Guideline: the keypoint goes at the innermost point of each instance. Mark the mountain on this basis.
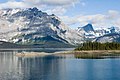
(112, 37)
(4, 44)
(100, 35)
(32, 26)
(87, 28)
(87, 31)
(111, 34)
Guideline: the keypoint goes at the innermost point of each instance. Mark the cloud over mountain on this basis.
(51, 2)
(36, 3)
(111, 18)
(70, 11)
(49, 6)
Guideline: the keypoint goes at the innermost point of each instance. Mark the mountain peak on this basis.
(32, 26)
(89, 24)
(88, 28)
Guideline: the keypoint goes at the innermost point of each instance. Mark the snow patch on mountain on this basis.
(112, 37)
(26, 25)
(89, 33)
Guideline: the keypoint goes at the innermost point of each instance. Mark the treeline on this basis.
(99, 46)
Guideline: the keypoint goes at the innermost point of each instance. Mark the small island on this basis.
(96, 50)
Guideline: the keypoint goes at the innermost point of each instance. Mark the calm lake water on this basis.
(56, 68)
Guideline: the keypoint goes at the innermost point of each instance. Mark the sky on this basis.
(75, 13)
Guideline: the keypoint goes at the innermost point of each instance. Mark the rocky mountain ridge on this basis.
(32, 26)
(100, 35)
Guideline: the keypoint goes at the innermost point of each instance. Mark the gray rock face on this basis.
(87, 31)
(34, 26)
(87, 28)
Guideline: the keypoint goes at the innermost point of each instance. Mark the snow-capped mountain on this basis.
(112, 37)
(111, 34)
(87, 28)
(87, 31)
(32, 26)
(100, 35)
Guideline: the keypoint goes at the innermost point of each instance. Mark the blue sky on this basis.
(95, 6)
(75, 13)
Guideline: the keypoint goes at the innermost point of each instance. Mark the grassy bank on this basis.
(97, 54)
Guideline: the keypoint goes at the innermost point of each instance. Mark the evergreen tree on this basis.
(99, 46)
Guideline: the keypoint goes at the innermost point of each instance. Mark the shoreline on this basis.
(41, 54)
(97, 54)
(98, 51)
(31, 54)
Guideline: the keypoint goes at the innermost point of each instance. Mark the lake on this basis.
(56, 67)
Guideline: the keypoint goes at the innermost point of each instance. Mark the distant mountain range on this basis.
(112, 37)
(34, 27)
(102, 35)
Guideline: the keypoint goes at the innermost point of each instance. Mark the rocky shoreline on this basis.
(91, 52)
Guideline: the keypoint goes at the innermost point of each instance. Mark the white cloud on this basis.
(58, 7)
(53, 2)
(70, 20)
(112, 18)
(12, 4)
(32, 1)
(38, 3)
(112, 14)
(57, 10)
(21, 4)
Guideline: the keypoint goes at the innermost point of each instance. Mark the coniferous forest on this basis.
(99, 46)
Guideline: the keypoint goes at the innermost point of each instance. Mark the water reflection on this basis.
(41, 68)
(56, 68)
(37, 68)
